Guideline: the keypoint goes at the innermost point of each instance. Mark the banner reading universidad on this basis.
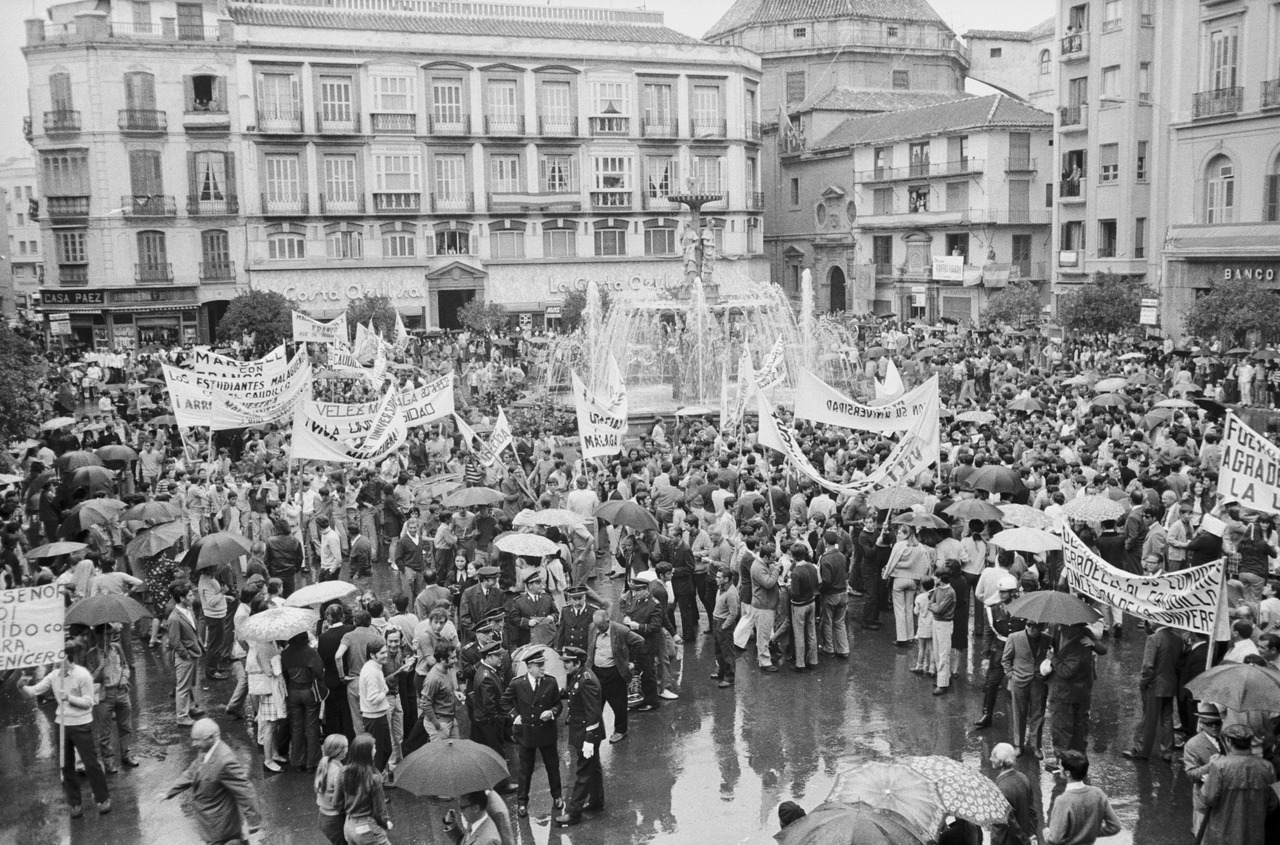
(1250, 471)
(818, 401)
(1189, 599)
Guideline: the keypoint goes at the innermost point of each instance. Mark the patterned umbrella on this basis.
(974, 509)
(1093, 509)
(551, 517)
(894, 787)
(278, 623)
(979, 417)
(321, 593)
(896, 498)
(966, 793)
(471, 497)
(531, 545)
(1031, 540)
(1025, 516)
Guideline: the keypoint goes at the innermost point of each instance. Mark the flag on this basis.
(772, 372)
(602, 423)
(402, 336)
(500, 438)
(892, 387)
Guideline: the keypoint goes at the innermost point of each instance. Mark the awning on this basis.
(1243, 239)
(995, 276)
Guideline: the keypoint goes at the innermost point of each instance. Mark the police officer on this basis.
(999, 626)
(584, 721)
(575, 620)
(484, 700)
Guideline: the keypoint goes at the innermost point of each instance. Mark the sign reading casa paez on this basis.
(1250, 472)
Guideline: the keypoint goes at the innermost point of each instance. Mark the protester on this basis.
(221, 794)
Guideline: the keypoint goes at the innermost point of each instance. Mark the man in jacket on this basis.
(221, 794)
(284, 556)
(644, 616)
(682, 585)
(764, 598)
(998, 628)
(1015, 787)
(802, 594)
(1237, 792)
(1024, 651)
(484, 699)
(1199, 751)
(575, 620)
(1159, 687)
(184, 640)
(610, 646)
(1071, 687)
(871, 552)
(532, 702)
(585, 723)
(477, 602)
(833, 593)
(532, 609)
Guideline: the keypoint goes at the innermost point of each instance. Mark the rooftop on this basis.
(970, 113)
(1045, 29)
(744, 13)
(874, 100)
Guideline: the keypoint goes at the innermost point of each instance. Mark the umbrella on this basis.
(836, 823)
(321, 593)
(1026, 404)
(974, 509)
(8, 478)
(1109, 400)
(1266, 355)
(875, 352)
(153, 541)
(530, 545)
(1109, 384)
(1186, 387)
(213, 550)
(920, 520)
(979, 417)
(1238, 686)
(472, 497)
(105, 608)
(1133, 356)
(1033, 540)
(163, 419)
(1176, 403)
(996, 479)
(1156, 416)
(554, 665)
(56, 549)
(1077, 381)
(116, 455)
(966, 792)
(894, 787)
(94, 479)
(1093, 509)
(71, 461)
(450, 768)
(1054, 608)
(436, 487)
(56, 423)
(695, 411)
(1213, 408)
(1142, 378)
(153, 512)
(91, 512)
(1025, 516)
(551, 517)
(925, 353)
(278, 623)
(627, 513)
(1239, 350)
(896, 498)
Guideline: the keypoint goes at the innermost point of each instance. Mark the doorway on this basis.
(836, 282)
(451, 302)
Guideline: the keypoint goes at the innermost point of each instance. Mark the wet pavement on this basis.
(710, 768)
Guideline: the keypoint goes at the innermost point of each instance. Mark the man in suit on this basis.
(1071, 687)
(532, 612)
(585, 722)
(1159, 686)
(533, 703)
(1024, 651)
(575, 620)
(184, 640)
(643, 615)
(610, 646)
(1197, 753)
(477, 602)
(221, 793)
(484, 700)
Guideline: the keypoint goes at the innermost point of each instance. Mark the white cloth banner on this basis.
(342, 362)
(402, 335)
(263, 400)
(315, 439)
(500, 438)
(469, 436)
(1250, 471)
(31, 623)
(220, 366)
(307, 330)
(818, 401)
(771, 371)
(381, 360)
(366, 343)
(191, 406)
(1190, 599)
(353, 421)
(746, 386)
(426, 404)
(892, 386)
(602, 424)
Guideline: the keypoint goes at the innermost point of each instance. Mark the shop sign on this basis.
(948, 268)
(1248, 273)
(616, 283)
(72, 297)
(60, 324)
(1149, 315)
(139, 296)
(400, 293)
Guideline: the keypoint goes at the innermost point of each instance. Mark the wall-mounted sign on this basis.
(58, 296)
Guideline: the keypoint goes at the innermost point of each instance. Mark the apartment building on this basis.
(888, 193)
(1023, 64)
(432, 151)
(22, 213)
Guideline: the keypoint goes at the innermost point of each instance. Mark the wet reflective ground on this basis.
(709, 768)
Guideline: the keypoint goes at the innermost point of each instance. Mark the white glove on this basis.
(395, 568)
(518, 721)
(588, 750)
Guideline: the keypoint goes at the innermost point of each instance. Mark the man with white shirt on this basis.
(1242, 644)
(330, 550)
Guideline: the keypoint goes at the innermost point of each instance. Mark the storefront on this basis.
(325, 293)
(1201, 257)
(127, 318)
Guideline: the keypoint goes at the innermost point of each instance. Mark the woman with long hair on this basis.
(909, 561)
(361, 797)
(326, 784)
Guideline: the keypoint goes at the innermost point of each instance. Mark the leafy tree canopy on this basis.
(375, 309)
(1017, 304)
(266, 315)
(1233, 309)
(575, 304)
(21, 376)
(483, 317)
(1109, 303)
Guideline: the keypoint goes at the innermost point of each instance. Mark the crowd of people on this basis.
(441, 637)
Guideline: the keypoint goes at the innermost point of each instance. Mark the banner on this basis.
(213, 365)
(818, 401)
(388, 431)
(1190, 599)
(426, 404)
(263, 400)
(366, 343)
(772, 372)
(353, 421)
(31, 623)
(307, 330)
(1250, 471)
(602, 425)
(892, 387)
(381, 360)
(314, 439)
(469, 436)
(191, 406)
(342, 362)
(500, 438)
(402, 336)
(746, 386)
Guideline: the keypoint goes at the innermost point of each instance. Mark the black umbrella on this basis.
(106, 608)
(214, 550)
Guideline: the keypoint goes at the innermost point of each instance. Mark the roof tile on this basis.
(748, 12)
(971, 113)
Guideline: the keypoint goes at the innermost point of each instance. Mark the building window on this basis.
(1111, 82)
(60, 92)
(399, 240)
(446, 103)
(1140, 172)
(556, 106)
(901, 79)
(397, 171)
(340, 191)
(139, 94)
(145, 175)
(286, 246)
(659, 176)
(1223, 56)
(660, 241)
(343, 241)
(882, 201)
(891, 30)
(451, 177)
(69, 247)
(1147, 8)
(1106, 239)
(920, 159)
(1109, 163)
(504, 174)
(393, 94)
(1144, 82)
(882, 252)
(612, 105)
(958, 245)
(1140, 237)
(708, 110)
(795, 86)
(282, 178)
(503, 106)
(206, 93)
(506, 244)
(152, 253)
(611, 181)
(1220, 191)
(453, 242)
(1112, 14)
(708, 175)
(559, 172)
(799, 32)
(210, 178)
(795, 191)
(279, 102)
(215, 253)
(1071, 237)
(918, 199)
(957, 196)
(336, 104)
(190, 22)
(611, 241)
(659, 112)
(559, 243)
(997, 52)
(882, 160)
(1046, 62)
(1020, 256)
(1271, 206)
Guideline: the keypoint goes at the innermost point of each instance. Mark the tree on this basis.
(21, 375)
(266, 315)
(1017, 304)
(574, 306)
(375, 309)
(483, 317)
(1233, 309)
(1109, 303)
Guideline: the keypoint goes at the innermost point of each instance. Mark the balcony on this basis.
(284, 207)
(658, 128)
(217, 271)
(504, 124)
(153, 273)
(1019, 165)
(709, 127)
(62, 209)
(448, 203)
(73, 275)
(341, 205)
(206, 116)
(1072, 115)
(1027, 271)
(279, 121)
(1112, 24)
(561, 127)
(61, 122)
(547, 201)
(612, 124)
(145, 121)
(167, 30)
(611, 200)
(1075, 47)
(1217, 102)
(148, 205)
(755, 200)
(393, 123)
(754, 130)
(197, 207)
(338, 126)
(1070, 258)
(884, 270)
(1271, 94)
(27, 132)
(656, 202)
(397, 202)
(449, 124)
(1071, 188)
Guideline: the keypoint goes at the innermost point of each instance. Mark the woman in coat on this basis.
(909, 561)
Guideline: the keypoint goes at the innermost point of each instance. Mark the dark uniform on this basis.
(575, 624)
(999, 626)
(639, 605)
(528, 607)
(476, 604)
(584, 721)
(484, 701)
(527, 701)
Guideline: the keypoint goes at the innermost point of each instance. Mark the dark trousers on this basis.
(550, 762)
(706, 589)
(304, 727)
(215, 637)
(1156, 727)
(726, 657)
(687, 602)
(80, 738)
(971, 584)
(871, 587)
(648, 677)
(287, 582)
(113, 708)
(408, 705)
(379, 727)
(994, 681)
(337, 713)
(415, 738)
(1070, 729)
(489, 734)
(613, 689)
(588, 779)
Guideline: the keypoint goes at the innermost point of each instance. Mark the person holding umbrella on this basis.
(585, 722)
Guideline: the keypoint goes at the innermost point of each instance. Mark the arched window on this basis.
(1220, 191)
(1045, 62)
(286, 241)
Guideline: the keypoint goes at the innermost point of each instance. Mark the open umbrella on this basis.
(450, 768)
(214, 550)
(551, 517)
(553, 664)
(9, 478)
(1025, 516)
(56, 423)
(116, 455)
(94, 479)
(979, 417)
(1266, 355)
(696, 411)
(1238, 686)
(435, 487)
(56, 549)
(1093, 509)
(87, 513)
(1176, 404)
(472, 497)
(1025, 404)
(1033, 540)
(920, 520)
(1077, 381)
(996, 479)
(153, 541)
(1239, 350)
(1109, 384)
(152, 512)
(278, 623)
(893, 787)
(967, 509)
(1109, 400)
(163, 419)
(1216, 410)
(105, 608)
(321, 593)
(1185, 387)
(529, 545)
(837, 823)
(628, 514)
(1053, 608)
(966, 792)
(72, 461)
(896, 498)
(1143, 379)
(1133, 356)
